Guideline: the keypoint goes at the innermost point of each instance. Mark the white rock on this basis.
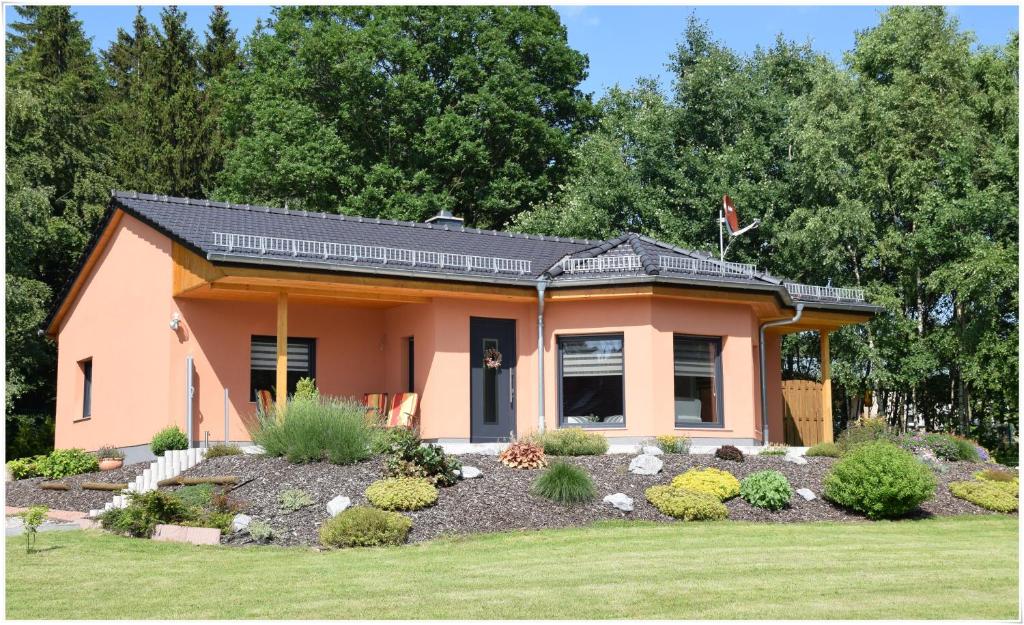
(469, 472)
(651, 450)
(806, 493)
(620, 501)
(240, 522)
(253, 450)
(338, 505)
(795, 459)
(646, 464)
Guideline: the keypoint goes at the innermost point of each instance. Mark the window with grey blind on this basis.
(591, 381)
(263, 363)
(698, 381)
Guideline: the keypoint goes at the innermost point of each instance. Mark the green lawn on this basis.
(945, 568)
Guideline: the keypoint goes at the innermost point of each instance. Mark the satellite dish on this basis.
(731, 221)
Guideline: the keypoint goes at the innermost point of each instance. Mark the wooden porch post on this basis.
(282, 350)
(826, 388)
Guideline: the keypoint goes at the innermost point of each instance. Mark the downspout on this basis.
(760, 353)
(541, 285)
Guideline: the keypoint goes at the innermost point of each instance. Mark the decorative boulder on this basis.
(646, 464)
(469, 472)
(806, 493)
(651, 450)
(795, 459)
(620, 501)
(338, 505)
(240, 522)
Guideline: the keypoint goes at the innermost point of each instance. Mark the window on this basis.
(411, 365)
(591, 381)
(698, 381)
(86, 366)
(263, 363)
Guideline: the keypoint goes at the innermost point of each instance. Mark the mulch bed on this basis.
(500, 499)
(26, 492)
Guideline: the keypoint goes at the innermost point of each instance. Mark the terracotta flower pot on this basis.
(109, 464)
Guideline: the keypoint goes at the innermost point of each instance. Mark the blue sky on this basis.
(625, 43)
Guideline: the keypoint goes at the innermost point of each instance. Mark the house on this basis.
(180, 308)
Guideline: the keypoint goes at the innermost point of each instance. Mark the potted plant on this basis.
(110, 458)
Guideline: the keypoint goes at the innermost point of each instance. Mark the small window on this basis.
(86, 366)
(698, 381)
(411, 366)
(263, 363)
(591, 381)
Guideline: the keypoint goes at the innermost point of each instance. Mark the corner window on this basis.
(86, 366)
(263, 364)
(591, 381)
(698, 381)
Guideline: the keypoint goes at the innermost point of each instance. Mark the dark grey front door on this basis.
(492, 389)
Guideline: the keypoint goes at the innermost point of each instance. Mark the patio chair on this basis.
(376, 406)
(403, 410)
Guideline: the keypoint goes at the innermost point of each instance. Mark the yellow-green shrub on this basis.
(687, 505)
(989, 495)
(360, 526)
(711, 481)
(402, 493)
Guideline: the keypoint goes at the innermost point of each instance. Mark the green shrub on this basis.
(362, 526)
(144, 512)
(671, 444)
(408, 458)
(402, 493)
(305, 390)
(720, 484)
(109, 451)
(989, 495)
(386, 439)
(66, 462)
(686, 504)
(944, 446)
(565, 484)
(729, 452)
(766, 489)
(880, 480)
(967, 450)
(169, 438)
(996, 475)
(827, 450)
(260, 531)
(774, 450)
(196, 496)
(327, 428)
(294, 499)
(573, 442)
(31, 520)
(24, 468)
(865, 430)
(220, 450)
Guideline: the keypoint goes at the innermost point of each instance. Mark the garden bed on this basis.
(24, 493)
(500, 499)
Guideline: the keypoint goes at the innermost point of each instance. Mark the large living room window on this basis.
(591, 381)
(698, 381)
(263, 363)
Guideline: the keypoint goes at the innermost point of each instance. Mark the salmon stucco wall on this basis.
(773, 376)
(119, 320)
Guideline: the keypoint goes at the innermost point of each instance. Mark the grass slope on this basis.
(950, 568)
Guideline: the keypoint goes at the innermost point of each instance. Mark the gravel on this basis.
(500, 499)
(24, 493)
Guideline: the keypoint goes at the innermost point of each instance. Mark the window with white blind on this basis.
(698, 381)
(263, 363)
(591, 381)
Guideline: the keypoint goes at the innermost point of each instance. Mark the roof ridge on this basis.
(153, 197)
(647, 260)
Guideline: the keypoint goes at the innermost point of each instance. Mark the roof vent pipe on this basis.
(445, 218)
(760, 354)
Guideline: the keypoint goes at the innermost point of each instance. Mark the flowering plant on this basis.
(492, 358)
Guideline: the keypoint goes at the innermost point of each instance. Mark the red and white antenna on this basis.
(728, 218)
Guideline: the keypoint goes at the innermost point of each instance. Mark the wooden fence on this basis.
(802, 412)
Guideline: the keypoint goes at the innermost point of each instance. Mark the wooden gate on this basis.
(802, 412)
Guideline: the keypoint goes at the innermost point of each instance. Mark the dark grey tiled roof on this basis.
(355, 244)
